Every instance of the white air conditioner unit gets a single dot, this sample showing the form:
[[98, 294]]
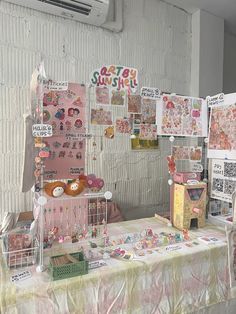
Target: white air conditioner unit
[[105, 13]]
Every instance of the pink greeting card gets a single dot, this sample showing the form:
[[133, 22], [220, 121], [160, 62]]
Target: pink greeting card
[[65, 111]]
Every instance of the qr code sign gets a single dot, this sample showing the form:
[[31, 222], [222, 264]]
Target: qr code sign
[[217, 185], [229, 187], [230, 169]]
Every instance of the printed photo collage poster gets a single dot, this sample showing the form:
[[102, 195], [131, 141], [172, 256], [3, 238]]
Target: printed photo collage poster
[[222, 129], [223, 179], [65, 110]]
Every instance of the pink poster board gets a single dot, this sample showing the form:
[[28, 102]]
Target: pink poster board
[[65, 111]]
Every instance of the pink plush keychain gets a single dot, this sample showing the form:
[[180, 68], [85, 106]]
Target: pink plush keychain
[[171, 164]]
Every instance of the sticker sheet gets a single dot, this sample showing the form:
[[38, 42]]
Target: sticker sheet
[[181, 116], [101, 117], [148, 110], [187, 153], [64, 110], [148, 132], [223, 179], [222, 129], [123, 125], [134, 103]]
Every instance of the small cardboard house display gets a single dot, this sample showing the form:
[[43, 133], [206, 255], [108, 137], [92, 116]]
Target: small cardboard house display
[[189, 208]]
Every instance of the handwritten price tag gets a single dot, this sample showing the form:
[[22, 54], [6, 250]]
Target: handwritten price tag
[[21, 276], [195, 167], [150, 92], [42, 130]]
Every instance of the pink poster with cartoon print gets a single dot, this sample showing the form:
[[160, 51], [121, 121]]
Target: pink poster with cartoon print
[[65, 111], [181, 116]]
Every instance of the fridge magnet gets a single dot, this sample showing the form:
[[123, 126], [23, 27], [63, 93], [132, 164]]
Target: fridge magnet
[[223, 179], [148, 110], [50, 98], [138, 144], [123, 125], [134, 103], [118, 98], [148, 132], [101, 117], [150, 92], [102, 96], [109, 132], [116, 77], [222, 134], [182, 116]]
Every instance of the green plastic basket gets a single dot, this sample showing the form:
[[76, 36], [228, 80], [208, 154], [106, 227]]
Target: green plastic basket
[[69, 270]]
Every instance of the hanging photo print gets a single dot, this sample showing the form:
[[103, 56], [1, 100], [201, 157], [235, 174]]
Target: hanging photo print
[[148, 132], [118, 98], [222, 130], [116, 77], [150, 92], [148, 109], [101, 117], [223, 179], [187, 153], [134, 103], [102, 96], [64, 110], [181, 116], [123, 125], [138, 144]]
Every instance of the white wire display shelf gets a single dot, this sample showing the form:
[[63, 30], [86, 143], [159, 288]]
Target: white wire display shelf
[[23, 257], [68, 197]]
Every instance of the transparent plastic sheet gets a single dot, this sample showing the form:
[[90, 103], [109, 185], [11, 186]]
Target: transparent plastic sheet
[[185, 281]]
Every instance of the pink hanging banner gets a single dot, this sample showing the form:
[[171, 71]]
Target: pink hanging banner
[[64, 110]]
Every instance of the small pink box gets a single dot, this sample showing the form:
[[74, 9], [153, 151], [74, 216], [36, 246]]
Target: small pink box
[[183, 177]]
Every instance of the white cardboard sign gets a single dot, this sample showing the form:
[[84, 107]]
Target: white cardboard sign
[[215, 100], [42, 130], [150, 92]]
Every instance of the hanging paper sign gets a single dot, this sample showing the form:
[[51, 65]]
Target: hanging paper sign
[[195, 167], [150, 92], [222, 135], [116, 77], [223, 179], [42, 130], [57, 85], [215, 100]]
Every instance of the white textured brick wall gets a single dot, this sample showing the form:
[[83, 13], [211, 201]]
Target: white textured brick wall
[[156, 39]]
